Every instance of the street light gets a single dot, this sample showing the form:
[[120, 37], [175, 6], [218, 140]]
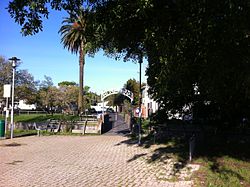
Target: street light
[[14, 61], [140, 98]]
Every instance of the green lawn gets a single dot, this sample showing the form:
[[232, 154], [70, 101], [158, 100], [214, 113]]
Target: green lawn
[[19, 133], [224, 171], [40, 117], [35, 118], [224, 163], [224, 159]]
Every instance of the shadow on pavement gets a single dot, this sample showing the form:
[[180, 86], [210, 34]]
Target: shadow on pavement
[[136, 157]]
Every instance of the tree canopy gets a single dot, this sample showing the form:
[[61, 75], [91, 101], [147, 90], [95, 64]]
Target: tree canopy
[[198, 52], [200, 56], [25, 85]]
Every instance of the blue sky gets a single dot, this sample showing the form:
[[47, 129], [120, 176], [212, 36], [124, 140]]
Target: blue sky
[[43, 54]]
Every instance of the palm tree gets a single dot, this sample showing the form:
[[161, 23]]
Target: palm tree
[[74, 39]]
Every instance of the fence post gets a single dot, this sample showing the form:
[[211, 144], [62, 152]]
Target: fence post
[[191, 147]]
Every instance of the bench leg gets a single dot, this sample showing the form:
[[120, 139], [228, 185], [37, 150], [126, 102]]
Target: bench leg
[[38, 132]]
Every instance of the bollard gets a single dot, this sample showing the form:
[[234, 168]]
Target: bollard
[[191, 147]]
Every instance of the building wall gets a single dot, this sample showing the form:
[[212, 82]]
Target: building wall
[[149, 106]]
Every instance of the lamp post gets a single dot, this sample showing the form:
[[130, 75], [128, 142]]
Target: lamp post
[[140, 99], [14, 61]]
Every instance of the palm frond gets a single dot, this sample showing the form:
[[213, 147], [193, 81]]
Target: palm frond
[[73, 31]]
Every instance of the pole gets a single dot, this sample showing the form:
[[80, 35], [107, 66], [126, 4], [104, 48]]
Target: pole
[[140, 100], [103, 111], [6, 114], [12, 104], [14, 61]]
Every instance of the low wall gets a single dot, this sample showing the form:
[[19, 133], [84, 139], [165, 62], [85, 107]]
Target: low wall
[[91, 127], [25, 126]]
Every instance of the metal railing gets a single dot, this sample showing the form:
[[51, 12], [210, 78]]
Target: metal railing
[[31, 112]]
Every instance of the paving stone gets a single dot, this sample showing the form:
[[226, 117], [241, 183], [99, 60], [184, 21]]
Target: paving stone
[[81, 161]]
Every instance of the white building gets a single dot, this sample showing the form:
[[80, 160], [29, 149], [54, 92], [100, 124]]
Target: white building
[[101, 106], [23, 106], [149, 106]]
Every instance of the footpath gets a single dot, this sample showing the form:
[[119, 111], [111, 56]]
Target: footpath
[[111, 159], [119, 126]]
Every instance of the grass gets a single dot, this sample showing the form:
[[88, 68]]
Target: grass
[[224, 163], [41, 117], [223, 171], [224, 159], [64, 133], [20, 133], [30, 118]]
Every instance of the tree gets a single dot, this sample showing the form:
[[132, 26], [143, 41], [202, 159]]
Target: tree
[[198, 53], [25, 85], [134, 87], [46, 83], [116, 100], [47, 94], [119, 99], [5, 73], [203, 46], [69, 95], [192, 47], [66, 83], [119, 18], [91, 98], [74, 38], [30, 14]]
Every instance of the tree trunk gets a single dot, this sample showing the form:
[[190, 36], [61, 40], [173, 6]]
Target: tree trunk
[[81, 76]]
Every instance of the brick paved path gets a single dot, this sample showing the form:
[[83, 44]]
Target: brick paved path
[[106, 160], [119, 126]]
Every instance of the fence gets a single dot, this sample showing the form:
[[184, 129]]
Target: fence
[[31, 112]]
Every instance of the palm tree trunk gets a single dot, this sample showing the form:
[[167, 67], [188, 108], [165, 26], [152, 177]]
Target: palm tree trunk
[[81, 76]]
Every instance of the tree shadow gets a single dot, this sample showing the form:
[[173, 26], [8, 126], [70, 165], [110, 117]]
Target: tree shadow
[[161, 153], [135, 157], [224, 154], [210, 148], [224, 145], [15, 162], [217, 168], [176, 149], [123, 132], [129, 142], [13, 144], [172, 149]]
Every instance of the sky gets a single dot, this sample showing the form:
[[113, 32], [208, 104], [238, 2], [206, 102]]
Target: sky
[[43, 54]]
